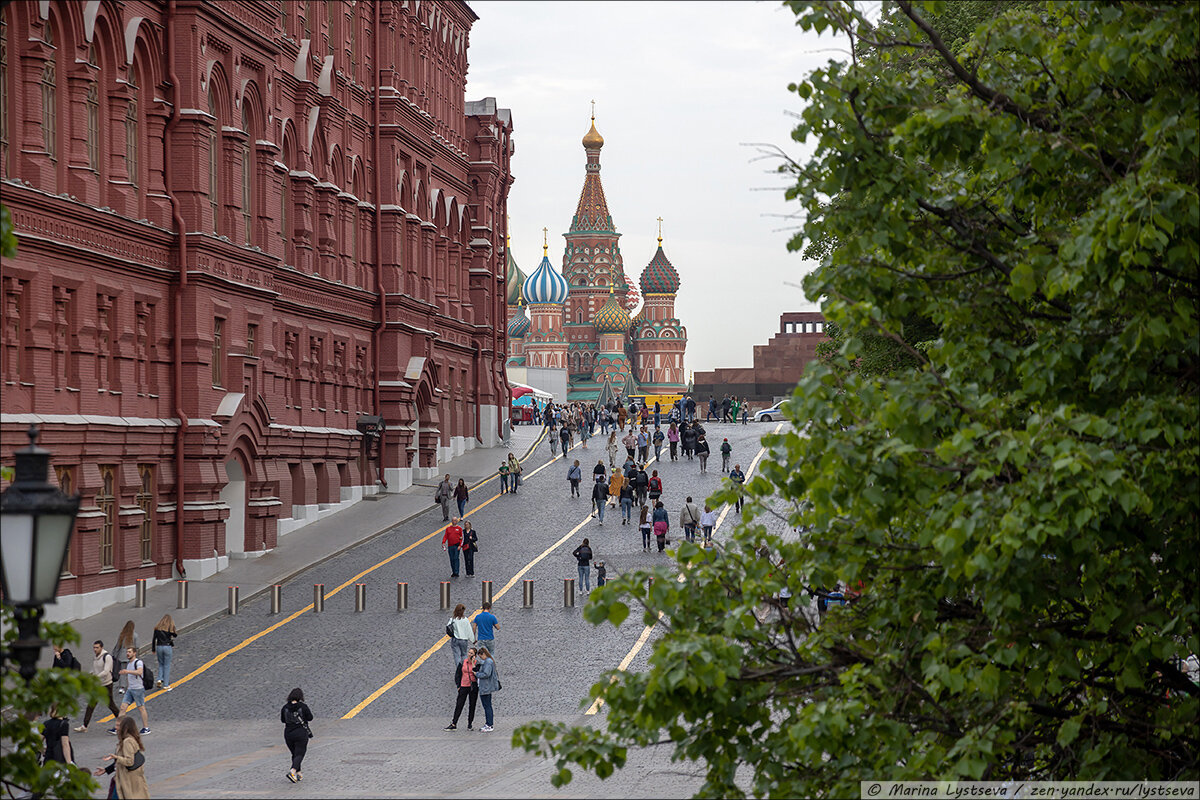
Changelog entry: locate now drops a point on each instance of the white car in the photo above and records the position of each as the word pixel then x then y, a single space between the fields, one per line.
pixel 769 414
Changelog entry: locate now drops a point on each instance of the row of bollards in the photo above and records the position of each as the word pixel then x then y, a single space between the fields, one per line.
pixel 360 595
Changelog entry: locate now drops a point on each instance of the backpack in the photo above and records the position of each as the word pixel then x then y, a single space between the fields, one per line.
pixel 147 676
pixel 292 715
pixel 72 661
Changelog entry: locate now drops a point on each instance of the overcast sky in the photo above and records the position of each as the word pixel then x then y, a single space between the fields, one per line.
pixel 683 90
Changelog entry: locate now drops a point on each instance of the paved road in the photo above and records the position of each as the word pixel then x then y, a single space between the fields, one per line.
pixel 380 682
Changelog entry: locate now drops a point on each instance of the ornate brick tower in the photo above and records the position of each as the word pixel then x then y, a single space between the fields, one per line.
pixel 659 338
pixel 593 267
pixel 612 371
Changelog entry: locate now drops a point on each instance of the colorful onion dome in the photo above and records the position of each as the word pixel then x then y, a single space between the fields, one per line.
pixel 592 140
pixel 514 281
pixel 659 277
pixel 545 285
pixel 518 326
pixel 611 318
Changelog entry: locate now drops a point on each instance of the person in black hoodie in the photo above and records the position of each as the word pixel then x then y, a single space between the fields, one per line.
pixel 702 452
pixel 295 716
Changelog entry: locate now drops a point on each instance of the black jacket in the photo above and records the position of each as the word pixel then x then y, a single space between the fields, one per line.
pixel 301 711
pixel 583 554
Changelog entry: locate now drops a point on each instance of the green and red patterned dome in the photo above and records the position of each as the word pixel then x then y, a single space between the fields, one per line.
pixel 659 277
pixel 612 317
pixel 518 326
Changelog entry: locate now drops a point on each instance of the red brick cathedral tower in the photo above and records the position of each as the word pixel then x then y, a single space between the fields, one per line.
pixel 659 338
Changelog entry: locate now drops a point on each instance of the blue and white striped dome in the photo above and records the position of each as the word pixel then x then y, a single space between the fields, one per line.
pixel 545 285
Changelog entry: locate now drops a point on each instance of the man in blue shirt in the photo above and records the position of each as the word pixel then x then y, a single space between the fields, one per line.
pixel 485 625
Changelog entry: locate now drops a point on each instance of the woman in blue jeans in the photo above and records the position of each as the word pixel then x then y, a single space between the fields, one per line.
pixel 583 554
pixel 489 684
pixel 164 648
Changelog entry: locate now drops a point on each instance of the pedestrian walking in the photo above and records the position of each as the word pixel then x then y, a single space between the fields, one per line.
pixel 687 439
pixel 641 484
pixel 470 545
pixel 654 488
pixel 56 733
pixel 599 473
pixel 611 447
pixel 673 441
pixel 616 484
pixel 164 649
pixel 461 633
pixel 657 439
pixel 564 435
pixel 745 413
pixel 583 555
pixel 468 689
pixel 662 525
pixel 690 405
pixel 726 450
pixel 489 684
pixel 442 497
pixel 128 764
pixel 485 627
pixel 626 496
pixel 452 544
pixel 502 471
pixel 64 658
pixel 702 453
pixel 135 695
pixel 630 441
pixel 643 446
pixel 461 496
pixel 599 500
pixel 645 526
pixel 708 521
pixel 102 668
pixel 295 716
pixel 738 478
pixel 125 639
pixel 585 432
pixel 601 573
pixel 689 519
pixel 514 473
pixel 574 476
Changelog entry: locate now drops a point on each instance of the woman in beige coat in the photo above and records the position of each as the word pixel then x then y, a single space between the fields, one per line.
pixel 131 782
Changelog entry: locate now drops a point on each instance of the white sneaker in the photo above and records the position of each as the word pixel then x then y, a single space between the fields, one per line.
pixel 486 729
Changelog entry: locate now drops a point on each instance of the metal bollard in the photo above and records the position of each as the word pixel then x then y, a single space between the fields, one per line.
pixel 445 593
pixel 276 598
pixel 139 593
pixel 568 592
pixel 181 594
pixel 360 597
pixel 527 593
pixel 402 597
pixel 233 601
pixel 487 591
pixel 318 598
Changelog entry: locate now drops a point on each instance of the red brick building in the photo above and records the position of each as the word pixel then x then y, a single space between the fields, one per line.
pixel 778 364
pixel 243 226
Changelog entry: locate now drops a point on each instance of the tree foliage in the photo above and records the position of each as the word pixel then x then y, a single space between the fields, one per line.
pixel 27 706
pixel 1021 507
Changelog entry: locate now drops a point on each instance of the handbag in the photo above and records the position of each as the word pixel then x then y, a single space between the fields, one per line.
pixel 138 760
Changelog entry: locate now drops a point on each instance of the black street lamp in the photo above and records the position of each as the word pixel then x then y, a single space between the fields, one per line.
pixel 36 521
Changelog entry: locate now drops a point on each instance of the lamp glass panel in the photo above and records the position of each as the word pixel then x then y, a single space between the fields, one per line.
pixel 16 553
pixel 53 535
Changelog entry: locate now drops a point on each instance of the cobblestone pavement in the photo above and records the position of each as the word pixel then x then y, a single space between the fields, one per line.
pixel 218 732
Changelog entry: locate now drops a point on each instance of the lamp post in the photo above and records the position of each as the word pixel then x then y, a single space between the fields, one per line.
pixel 36 522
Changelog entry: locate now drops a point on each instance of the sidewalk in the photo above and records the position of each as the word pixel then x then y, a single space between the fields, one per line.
pixel 294 553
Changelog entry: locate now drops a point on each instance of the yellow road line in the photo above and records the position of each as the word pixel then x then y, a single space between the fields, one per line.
pixel 375 695
pixel 246 642
pixel 641 642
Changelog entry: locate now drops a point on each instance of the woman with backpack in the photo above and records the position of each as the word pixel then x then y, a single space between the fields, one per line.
pixel 470 544
pixel 56 731
pixel 662 524
pixel 295 716
pixel 461 632
pixel 129 765
pixel 583 555
pixel 574 476
pixel 654 488
pixel 164 648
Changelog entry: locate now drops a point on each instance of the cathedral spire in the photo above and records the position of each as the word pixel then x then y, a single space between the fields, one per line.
pixel 592 212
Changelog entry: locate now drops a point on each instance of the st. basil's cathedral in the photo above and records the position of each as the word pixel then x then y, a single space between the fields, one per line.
pixel 579 321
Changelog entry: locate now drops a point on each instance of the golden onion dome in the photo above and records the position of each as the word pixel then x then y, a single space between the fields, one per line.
pixel 592 140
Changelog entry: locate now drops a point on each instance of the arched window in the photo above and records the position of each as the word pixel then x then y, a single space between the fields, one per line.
pixel 92 105
pixel 285 201
pixel 247 175
pixel 133 161
pixel 352 23
pixel 214 160
pixel 4 93
pixel 332 14
pixel 50 100
pixel 307 19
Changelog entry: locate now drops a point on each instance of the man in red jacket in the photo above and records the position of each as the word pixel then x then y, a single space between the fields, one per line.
pixel 452 543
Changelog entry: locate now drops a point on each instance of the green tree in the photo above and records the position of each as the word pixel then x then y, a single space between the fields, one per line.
pixel 1021 509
